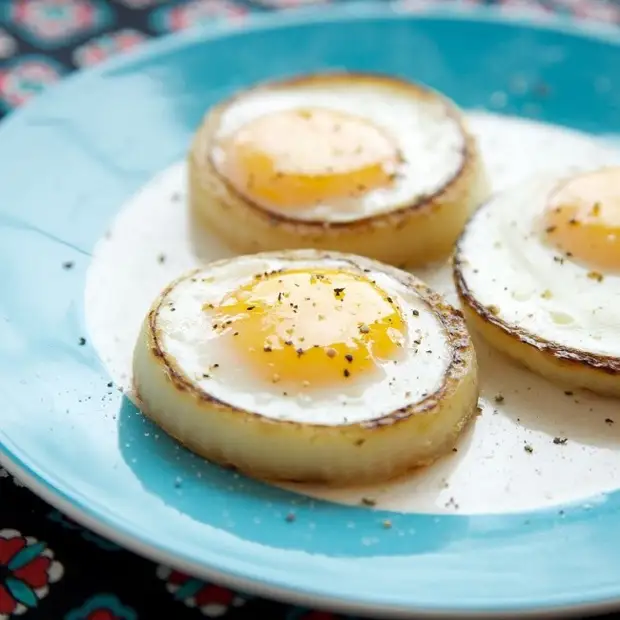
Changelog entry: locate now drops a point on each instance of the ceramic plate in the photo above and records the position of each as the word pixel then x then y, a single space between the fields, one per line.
pixel 522 519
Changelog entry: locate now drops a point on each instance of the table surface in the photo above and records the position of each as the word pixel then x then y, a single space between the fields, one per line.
pixel 73 574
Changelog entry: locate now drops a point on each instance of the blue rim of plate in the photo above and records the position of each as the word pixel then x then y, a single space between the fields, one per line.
pixel 308 588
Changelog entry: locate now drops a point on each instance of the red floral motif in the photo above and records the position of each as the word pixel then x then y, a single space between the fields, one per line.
pixel 23 79
pixel 195 13
pixel 48 23
pixel 213 601
pixel 28 567
pixel 208 594
pixel 7 602
pixel 101 48
pixel 102 614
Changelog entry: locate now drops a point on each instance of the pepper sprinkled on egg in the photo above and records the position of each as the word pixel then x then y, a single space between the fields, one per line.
pixel 582 219
pixel 351 162
pixel 297 158
pixel 290 322
pixel 538 272
pixel 315 353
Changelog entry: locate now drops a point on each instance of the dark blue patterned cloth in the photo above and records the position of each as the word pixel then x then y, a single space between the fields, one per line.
pixel 50 567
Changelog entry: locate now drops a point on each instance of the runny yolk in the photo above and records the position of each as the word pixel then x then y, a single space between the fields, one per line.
pixel 582 219
pixel 312 328
pixel 303 157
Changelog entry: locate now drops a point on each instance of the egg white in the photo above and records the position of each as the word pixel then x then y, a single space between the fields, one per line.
pixel 503 263
pixel 423 127
pixel 186 335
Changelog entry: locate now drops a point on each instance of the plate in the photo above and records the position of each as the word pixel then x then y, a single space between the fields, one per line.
pixel 92 221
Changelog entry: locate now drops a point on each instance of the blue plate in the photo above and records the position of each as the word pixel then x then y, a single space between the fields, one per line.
pixel 67 163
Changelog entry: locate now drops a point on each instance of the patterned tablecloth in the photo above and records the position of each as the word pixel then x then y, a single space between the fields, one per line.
pixel 50 567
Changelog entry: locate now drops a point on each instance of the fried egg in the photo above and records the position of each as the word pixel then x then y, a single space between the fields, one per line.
pixel 350 162
pixel 307 366
pixel 538 272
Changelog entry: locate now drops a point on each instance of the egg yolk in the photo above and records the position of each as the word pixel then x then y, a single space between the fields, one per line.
pixel 582 219
pixel 299 158
pixel 316 327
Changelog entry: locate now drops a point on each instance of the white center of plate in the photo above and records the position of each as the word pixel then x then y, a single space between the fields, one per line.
pixel 534 445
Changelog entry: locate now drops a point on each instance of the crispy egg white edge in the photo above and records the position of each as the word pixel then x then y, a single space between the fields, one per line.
pixel 185 335
pixel 428 136
pixel 504 262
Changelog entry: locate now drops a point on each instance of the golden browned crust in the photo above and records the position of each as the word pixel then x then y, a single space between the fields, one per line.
pixel 410 234
pixel 451 320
